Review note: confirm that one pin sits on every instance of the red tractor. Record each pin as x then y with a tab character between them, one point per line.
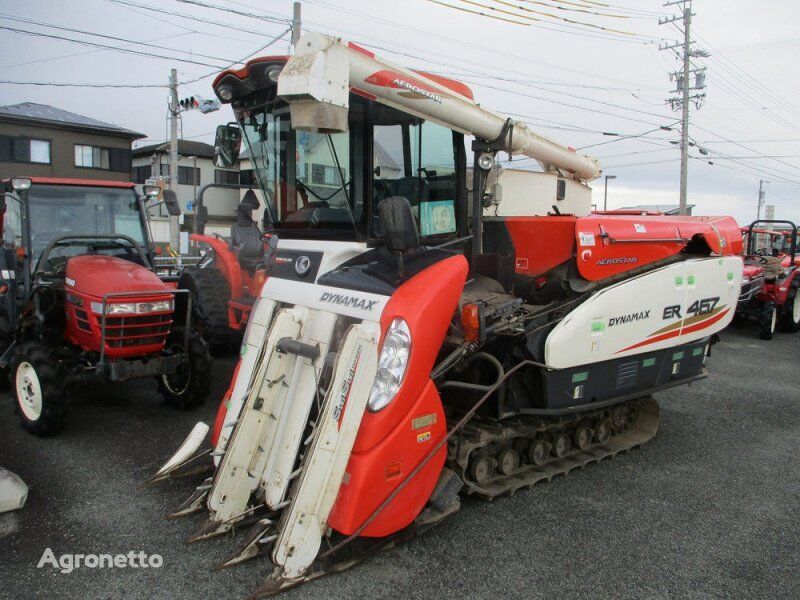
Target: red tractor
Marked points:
80	301
771	277
228	278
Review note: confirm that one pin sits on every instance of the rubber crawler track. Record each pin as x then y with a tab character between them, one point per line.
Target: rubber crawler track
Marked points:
489	437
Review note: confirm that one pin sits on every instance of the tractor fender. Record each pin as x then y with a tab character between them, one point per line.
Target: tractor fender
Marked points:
394	440
226	261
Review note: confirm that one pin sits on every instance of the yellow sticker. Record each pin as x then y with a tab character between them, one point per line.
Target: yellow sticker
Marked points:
423	437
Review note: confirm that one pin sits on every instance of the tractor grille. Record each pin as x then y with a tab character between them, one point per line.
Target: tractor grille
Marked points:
137	330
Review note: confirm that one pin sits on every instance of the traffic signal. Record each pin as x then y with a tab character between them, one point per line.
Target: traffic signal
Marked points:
189	103
196	102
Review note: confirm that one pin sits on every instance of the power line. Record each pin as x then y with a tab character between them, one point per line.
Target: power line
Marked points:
261	49
105	46
108	37
226	9
195	18
88	85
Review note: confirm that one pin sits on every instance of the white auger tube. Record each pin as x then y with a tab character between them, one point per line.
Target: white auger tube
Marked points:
318	78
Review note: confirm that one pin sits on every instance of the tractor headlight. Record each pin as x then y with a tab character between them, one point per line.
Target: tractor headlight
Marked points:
132	308
392	365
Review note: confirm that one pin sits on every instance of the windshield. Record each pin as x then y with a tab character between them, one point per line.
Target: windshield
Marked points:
313	192
56	211
319	184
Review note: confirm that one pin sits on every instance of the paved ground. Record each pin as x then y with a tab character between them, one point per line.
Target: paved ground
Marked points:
710	508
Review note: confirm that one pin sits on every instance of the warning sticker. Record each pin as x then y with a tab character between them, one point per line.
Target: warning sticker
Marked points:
587	239
423	437
639	228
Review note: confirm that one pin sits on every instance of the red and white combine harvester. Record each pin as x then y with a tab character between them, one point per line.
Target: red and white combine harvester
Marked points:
412	342
771	279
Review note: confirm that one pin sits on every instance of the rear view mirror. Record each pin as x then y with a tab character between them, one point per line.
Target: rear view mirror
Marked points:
171	202
227	144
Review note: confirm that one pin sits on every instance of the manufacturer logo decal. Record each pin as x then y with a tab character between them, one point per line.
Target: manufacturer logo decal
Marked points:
344	300
622	260
347	386
423	437
631	318
415	87
302	266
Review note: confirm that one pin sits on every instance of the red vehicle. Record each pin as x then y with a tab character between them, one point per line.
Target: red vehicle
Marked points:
229	277
414	342
771	277
80	301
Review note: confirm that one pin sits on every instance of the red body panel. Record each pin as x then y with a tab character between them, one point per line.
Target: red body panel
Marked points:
388	441
84	182
88	279
223	407
226	262
245	287
609	244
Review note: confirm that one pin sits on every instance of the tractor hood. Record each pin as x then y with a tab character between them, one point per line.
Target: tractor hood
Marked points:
98	275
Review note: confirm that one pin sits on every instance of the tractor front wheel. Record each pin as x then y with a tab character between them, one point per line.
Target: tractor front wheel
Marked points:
39	384
767	321
189	386
791	311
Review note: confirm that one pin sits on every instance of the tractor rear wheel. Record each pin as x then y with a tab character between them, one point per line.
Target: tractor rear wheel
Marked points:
767	321
189	387
210	295
38	380
791	311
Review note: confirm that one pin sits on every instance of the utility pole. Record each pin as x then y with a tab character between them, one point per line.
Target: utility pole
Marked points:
296	26
174	231
684	88
605	192
762	194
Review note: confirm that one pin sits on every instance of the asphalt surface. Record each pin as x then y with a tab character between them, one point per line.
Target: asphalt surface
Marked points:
709	508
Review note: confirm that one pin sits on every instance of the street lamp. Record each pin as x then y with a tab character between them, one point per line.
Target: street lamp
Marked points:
605	193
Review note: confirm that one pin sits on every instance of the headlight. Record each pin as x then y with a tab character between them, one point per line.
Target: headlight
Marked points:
392	365
132	308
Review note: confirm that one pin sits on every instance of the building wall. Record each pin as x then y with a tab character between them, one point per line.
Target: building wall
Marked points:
221	204
62	153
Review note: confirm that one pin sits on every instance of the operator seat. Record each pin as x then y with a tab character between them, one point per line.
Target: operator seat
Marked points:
772	267
246	238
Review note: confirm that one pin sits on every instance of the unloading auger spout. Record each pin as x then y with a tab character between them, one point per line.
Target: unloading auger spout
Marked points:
318	78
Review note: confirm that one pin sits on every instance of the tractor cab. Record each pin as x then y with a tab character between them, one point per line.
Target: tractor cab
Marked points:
80	300
771	277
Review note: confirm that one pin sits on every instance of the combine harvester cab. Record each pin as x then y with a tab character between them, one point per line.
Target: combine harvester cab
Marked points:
406	347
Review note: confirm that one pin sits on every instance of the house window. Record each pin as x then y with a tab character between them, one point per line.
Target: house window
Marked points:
229	177
185	176
142	174
246	177
92	157
26	150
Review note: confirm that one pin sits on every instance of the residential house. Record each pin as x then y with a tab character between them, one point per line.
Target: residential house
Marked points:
38	140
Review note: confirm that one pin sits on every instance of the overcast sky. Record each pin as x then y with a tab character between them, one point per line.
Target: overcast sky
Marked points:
571	81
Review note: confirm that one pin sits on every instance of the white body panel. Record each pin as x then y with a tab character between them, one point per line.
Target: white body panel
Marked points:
250	353
13	491
290	424
234	480
412	93
359	305
335	253
519	193
639	315
304	522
